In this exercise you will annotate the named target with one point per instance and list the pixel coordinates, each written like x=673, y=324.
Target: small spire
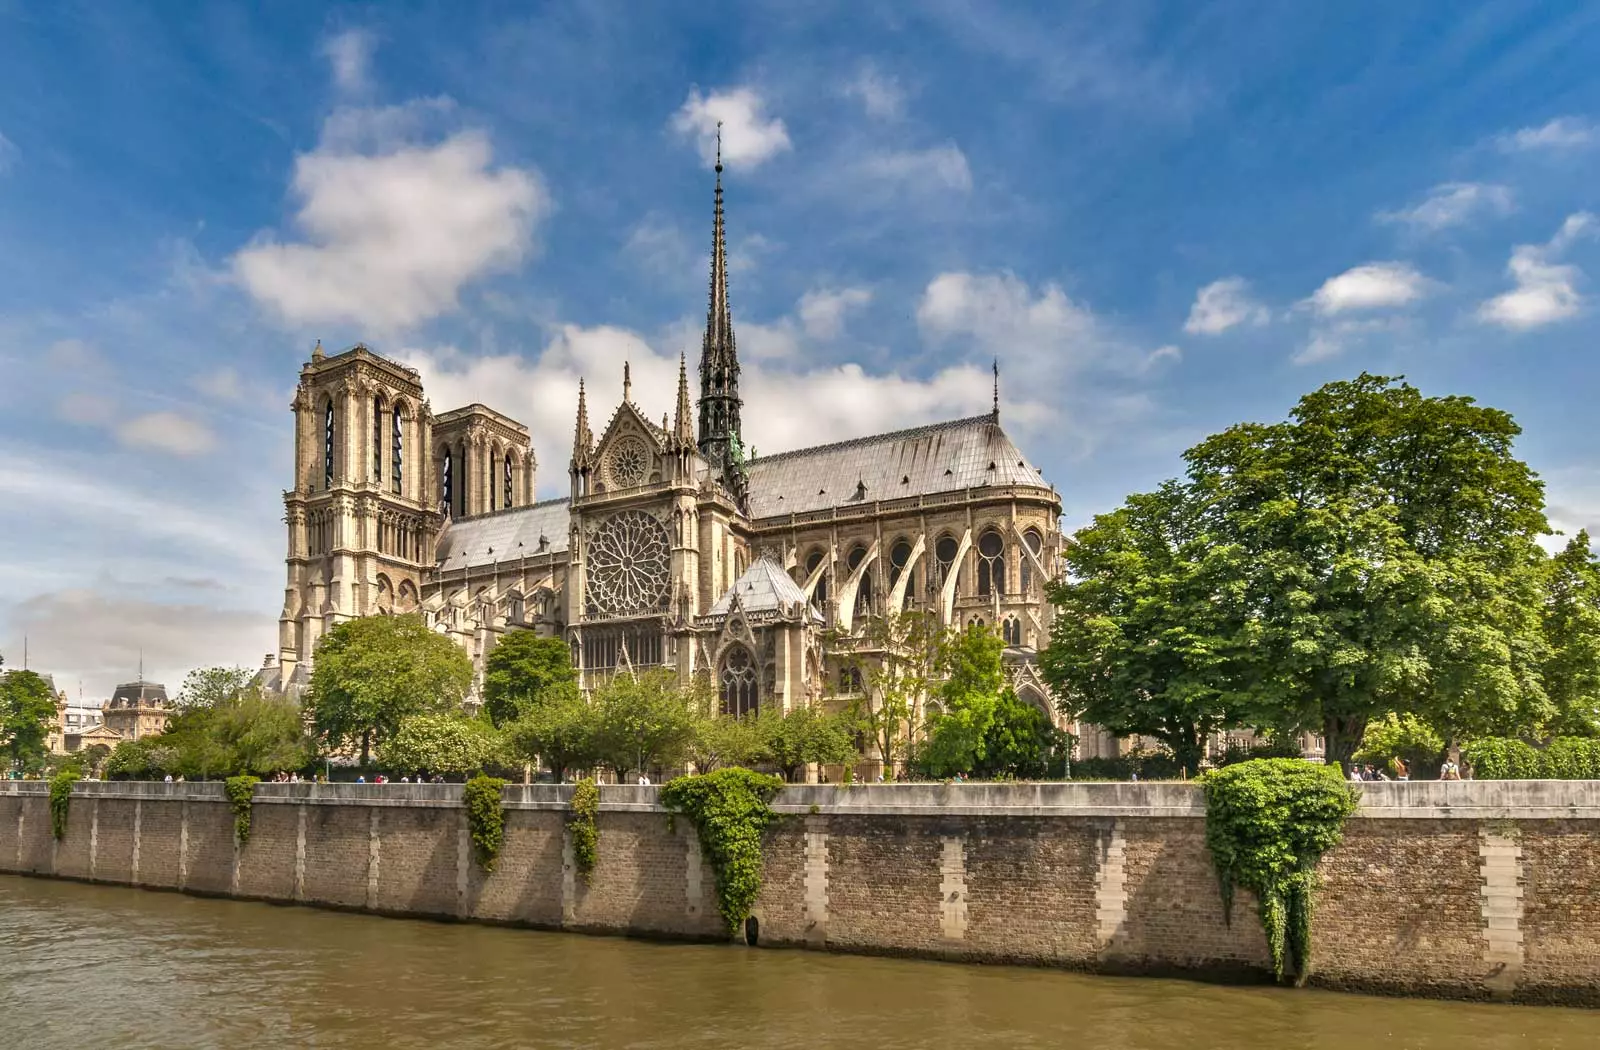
x=719, y=147
x=627, y=381
x=685, y=421
x=316, y=352
x=582, y=438
x=997, y=389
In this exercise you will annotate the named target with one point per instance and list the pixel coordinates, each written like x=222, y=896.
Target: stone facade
x=1469, y=890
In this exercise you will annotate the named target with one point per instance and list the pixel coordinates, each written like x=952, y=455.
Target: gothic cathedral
x=674, y=548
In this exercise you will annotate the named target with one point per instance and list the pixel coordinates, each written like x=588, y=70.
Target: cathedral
x=674, y=547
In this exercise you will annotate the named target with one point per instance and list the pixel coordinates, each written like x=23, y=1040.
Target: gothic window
x=397, y=456
x=447, y=483
x=629, y=565
x=864, y=590
x=850, y=680
x=518, y=608
x=327, y=445
x=603, y=647
x=1035, y=544
x=944, y=557
x=899, y=558
x=508, y=480
x=628, y=462
x=740, y=691
x=377, y=439
x=463, y=483
x=1011, y=631
x=820, y=595
x=991, y=564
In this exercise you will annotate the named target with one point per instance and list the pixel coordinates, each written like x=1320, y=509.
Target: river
x=93, y=966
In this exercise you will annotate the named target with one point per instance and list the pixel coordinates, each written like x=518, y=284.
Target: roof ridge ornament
x=996, y=410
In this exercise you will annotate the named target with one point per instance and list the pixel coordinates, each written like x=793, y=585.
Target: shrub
x=1499, y=758
x=486, y=818
x=61, y=799
x=1268, y=822
x=240, y=791
x=729, y=809
x=1572, y=758
x=584, y=828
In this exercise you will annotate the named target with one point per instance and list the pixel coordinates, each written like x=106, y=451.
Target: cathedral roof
x=764, y=587
x=940, y=457
x=495, y=537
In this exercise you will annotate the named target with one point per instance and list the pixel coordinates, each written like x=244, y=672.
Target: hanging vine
x=584, y=828
x=486, y=818
x=240, y=790
x=61, y=799
x=1268, y=822
x=729, y=809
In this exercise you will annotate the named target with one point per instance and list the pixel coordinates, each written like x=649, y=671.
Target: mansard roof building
x=674, y=548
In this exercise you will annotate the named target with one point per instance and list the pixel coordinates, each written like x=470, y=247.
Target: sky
x=1161, y=219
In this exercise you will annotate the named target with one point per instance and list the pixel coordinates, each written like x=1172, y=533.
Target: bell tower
x=361, y=514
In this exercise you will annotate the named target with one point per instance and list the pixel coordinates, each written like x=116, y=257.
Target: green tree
x=27, y=711
x=806, y=735
x=518, y=671
x=897, y=661
x=373, y=672
x=1380, y=546
x=1570, y=617
x=448, y=745
x=644, y=720
x=970, y=664
x=1147, y=618
x=1405, y=737
x=210, y=686
x=562, y=729
x=1021, y=742
x=259, y=734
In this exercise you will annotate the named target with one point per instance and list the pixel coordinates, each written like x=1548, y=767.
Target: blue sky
x=1162, y=219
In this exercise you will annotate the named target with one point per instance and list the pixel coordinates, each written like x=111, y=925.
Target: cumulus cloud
x=166, y=432
x=1452, y=204
x=937, y=168
x=822, y=311
x=222, y=384
x=1371, y=286
x=749, y=136
x=393, y=228
x=879, y=94
x=349, y=55
x=1562, y=133
x=86, y=409
x=1222, y=305
x=1044, y=333
x=1546, y=290
x=1330, y=339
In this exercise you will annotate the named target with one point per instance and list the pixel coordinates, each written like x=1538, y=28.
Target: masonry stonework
x=1471, y=890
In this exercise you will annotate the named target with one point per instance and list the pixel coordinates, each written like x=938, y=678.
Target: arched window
x=447, y=484
x=863, y=591
x=740, y=688
x=812, y=561
x=508, y=479
x=991, y=564
x=850, y=680
x=397, y=455
x=1011, y=630
x=463, y=483
x=899, y=558
x=377, y=438
x=1035, y=544
x=327, y=445
x=944, y=556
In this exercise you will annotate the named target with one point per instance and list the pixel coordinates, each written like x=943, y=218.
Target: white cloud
x=349, y=55
x=1562, y=133
x=1330, y=339
x=1039, y=334
x=662, y=249
x=822, y=311
x=223, y=384
x=749, y=137
x=879, y=94
x=86, y=409
x=1451, y=204
x=77, y=357
x=393, y=229
x=1370, y=286
x=1546, y=291
x=167, y=432
x=1160, y=355
x=1222, y=305
x=939, y=167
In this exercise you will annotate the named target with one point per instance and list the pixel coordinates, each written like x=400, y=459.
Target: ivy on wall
x=240, y=790
x=61, y=799
x=729, y=808
x=583, y=827
x=486, y=818
x=1268, y=822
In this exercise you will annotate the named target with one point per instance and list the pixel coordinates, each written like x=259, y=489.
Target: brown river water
x=107, y=967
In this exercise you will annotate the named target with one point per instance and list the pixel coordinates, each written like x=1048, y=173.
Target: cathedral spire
x=720, y=431
x=996, y=411
x=582, y=437
x=683, y=425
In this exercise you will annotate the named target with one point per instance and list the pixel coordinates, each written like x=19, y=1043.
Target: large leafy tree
x=1383, y=546
x=260, y=733
x=1021, y=742
x=372, y=672
x=1570, y=616
x=561, y=728
x=1147, y=624
x=519, y=670
x=27, y=710
x=644, y=721
x=972, y=678
x=806, y=735
x=897, y=660
x=211, y=686
x=445, y=744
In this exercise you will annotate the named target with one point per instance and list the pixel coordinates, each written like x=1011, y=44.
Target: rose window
x=628, y=462
x=629, y=565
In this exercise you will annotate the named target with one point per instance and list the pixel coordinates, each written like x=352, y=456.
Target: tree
x=806, y=735
x=373, y=672
x=644, y=720
x=1145, y=635
x=258, y=733
x=970, y=663
x=1021, y=742
x=448, y=745
x=896, y=659
x=1570, y=619
x=518, y=671
x=210, y=686
x=1382, y=545
x=729, y=740
x=561, y=728
x=27, y=711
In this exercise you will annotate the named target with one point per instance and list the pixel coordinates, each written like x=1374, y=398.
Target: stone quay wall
x=1462, y=889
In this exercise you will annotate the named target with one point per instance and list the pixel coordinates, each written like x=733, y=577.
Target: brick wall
x=1464, y=890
